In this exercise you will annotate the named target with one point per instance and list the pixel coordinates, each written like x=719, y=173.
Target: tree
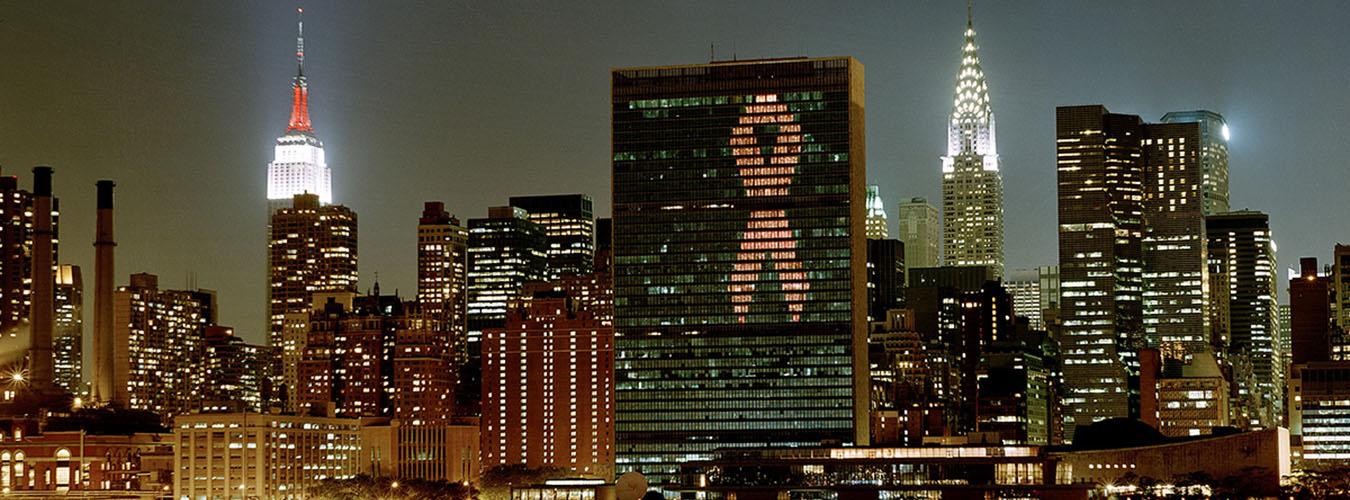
x=498, y=481
x=364, y=487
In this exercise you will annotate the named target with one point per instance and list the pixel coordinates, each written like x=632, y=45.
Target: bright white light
x=1225, y=132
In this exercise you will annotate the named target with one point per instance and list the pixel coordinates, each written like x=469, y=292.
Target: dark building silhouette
x=885, y=277
x=1310, y=299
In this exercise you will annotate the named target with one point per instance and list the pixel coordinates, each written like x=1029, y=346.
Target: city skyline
x=194, y=130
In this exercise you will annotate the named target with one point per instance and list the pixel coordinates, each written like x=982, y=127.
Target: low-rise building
x=445, y=451
x=43, y=463
x=256, y=455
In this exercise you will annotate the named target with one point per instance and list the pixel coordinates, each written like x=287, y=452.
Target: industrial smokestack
x=42, y=316
x=103, y=295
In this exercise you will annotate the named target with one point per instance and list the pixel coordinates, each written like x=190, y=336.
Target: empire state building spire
x=298, y=166
x=299, y=87
x=972, y=187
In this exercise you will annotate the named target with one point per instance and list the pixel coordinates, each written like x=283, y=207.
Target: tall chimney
x=103, y=295
x=42, y=316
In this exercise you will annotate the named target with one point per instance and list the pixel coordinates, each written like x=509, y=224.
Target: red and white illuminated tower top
x=298, y=166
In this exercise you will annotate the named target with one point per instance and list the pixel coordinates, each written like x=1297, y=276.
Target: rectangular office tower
x=1242, y=254
x=740, y=256
x=1174, y=245
x=568, y=222
x=1100, y=261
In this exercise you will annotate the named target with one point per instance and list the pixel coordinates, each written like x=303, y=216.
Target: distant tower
x=442, y=272
x=919, y=230
x=298, y=166
x=876, y=215
x=68, y=339
x=568, y=223
x=972, y=187
x=1213, y=155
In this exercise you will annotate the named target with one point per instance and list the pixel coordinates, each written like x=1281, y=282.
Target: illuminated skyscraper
x=1242, y=248
x=159, y=346
x=1176, y=272
x=312, y=250
x=298, y=166
x=568, y=222
x=442, y=275
x=972, y=187
x=919, y=230
x=506, y=251
x=739, y=241
x=876, y=215
x=68, y=341
x=1100, y=263
x=1212, y=154
x=16, y=252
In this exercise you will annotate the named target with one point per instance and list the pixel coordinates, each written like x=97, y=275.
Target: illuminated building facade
x=238, y=375
x=972, y=187
x=1192, y=398
x=1025, y=287
x=298, y=166
x=1242, y=251
x=1014, y=392
x=876, y=215
x=312, y=250
x=506, y=250
x=1100, y=261
x=436, y=452
x=914, y=382
x=739, y=209
x=920, y=231
x=1176, y=271
x=1319, y=411
x=16, y=247
x=1212, y=154
x=159, y=346
x=568, y=223
x=443, y=278
x=251, y=455
x=48, y=463
x=375, y=357
x=548, y=388
x=442, y=266
x=67, y=343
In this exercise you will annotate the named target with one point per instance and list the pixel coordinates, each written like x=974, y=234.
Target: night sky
x=472, y=102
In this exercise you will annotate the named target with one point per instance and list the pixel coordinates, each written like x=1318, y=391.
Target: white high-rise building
x=298, y=166
x=972, y=187
x=876, y=215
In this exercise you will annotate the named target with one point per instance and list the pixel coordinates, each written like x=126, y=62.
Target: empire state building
x=972, y=187
x=298, y=166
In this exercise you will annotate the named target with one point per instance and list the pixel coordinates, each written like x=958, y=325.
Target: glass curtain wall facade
x=740, y=255
x=1100, y=262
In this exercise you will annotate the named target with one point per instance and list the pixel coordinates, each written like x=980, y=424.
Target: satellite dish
x=630, y=486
